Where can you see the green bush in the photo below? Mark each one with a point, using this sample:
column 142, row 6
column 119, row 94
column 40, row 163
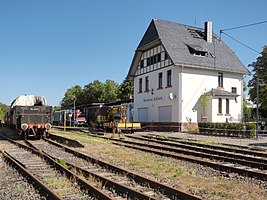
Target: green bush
column 228, row 129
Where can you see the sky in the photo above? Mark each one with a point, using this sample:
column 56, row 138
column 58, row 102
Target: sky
column 49, row 46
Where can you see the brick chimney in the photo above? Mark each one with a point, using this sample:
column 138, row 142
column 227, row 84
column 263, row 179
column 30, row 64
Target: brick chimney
column 208, row 31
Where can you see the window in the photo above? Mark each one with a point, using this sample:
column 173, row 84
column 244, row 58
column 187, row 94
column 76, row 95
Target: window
column 234, row 90
column 159, row 57
column 142, row 64
column 154, row 59
column 166, row 56
column 197, row 51
column 160, row 80
column 219, row 106
column 140, row 85
column 200, row 53
column 148, row 61
column 147, row 84
column 227, row 106
column 169, row 78
column 220, row 79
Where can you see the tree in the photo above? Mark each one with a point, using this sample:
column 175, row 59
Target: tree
column 259, row 75
column 126, row 90
column 94, row 92
column 72, row 94
column 111, row 91
column 204, row 101
column 98, row 92
column 247, row 112
column 3, row 110
column 57, row 108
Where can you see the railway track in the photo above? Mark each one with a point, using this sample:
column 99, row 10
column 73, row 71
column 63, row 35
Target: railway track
column 223, row 147
column 124, row 183
column 223, row 163
column 223, row 154
column 13, row 185
column 39, row 168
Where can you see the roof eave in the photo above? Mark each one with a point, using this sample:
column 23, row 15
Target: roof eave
column 208, row 68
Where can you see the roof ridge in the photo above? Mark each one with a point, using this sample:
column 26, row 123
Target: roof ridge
column 189, row 26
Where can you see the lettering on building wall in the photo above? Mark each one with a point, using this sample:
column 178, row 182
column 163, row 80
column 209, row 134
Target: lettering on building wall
column 154, row 99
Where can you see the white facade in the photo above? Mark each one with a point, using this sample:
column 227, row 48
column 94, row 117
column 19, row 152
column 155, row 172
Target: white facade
column 178, row 102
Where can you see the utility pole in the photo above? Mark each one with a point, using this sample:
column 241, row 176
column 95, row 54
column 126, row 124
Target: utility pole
column 64, row 123
column 257, row 108
column 74, row 112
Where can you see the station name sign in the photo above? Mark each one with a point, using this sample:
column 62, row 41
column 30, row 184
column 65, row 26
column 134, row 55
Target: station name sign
column 154, row 99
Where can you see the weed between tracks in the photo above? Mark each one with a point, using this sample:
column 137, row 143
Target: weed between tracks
column 192, row 178
column 19, row 190
column 63, row 163
column 95, row 182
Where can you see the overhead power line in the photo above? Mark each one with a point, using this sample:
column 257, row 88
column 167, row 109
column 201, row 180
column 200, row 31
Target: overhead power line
column 244, row 26
column 222, row 31
column 242, row 43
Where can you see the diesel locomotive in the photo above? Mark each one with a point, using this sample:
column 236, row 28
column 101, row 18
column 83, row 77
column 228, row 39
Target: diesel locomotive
column 30, row 116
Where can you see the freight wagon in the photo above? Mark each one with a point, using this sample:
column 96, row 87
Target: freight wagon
column 30, row 116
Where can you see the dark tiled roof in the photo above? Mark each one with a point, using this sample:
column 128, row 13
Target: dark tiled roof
column 177, row 39
column 220, row 92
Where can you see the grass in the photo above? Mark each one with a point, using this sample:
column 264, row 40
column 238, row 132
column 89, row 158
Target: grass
column 82, row 137
column 58, row 183
column 96, row 183
column 63, row 163
column 209, row 142
column 19, row 190
column 168, row 170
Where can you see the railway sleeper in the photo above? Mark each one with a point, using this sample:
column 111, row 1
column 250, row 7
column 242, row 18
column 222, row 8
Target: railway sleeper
column 170, row 192
column 108, row 182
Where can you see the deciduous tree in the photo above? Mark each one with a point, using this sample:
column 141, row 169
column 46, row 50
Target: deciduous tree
column 247, row 112
column 3, row 110
column 72, row 94
column 126, row 90
column 259, row 74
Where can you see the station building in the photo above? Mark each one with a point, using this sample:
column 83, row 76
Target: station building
column 174, row 65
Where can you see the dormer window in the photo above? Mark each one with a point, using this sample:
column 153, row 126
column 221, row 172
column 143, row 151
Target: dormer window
column 197, row 50
column 200, row 53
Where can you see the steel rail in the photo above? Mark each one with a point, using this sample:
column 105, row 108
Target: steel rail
column 165, row 189
column 237, row 149
column 215, row 154
column 107, row 182
column 91, row 190
column 244, row 172
column 41, row 187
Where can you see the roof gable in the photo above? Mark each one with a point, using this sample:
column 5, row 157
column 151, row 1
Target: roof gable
column 150, row 35
column 180, row 41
